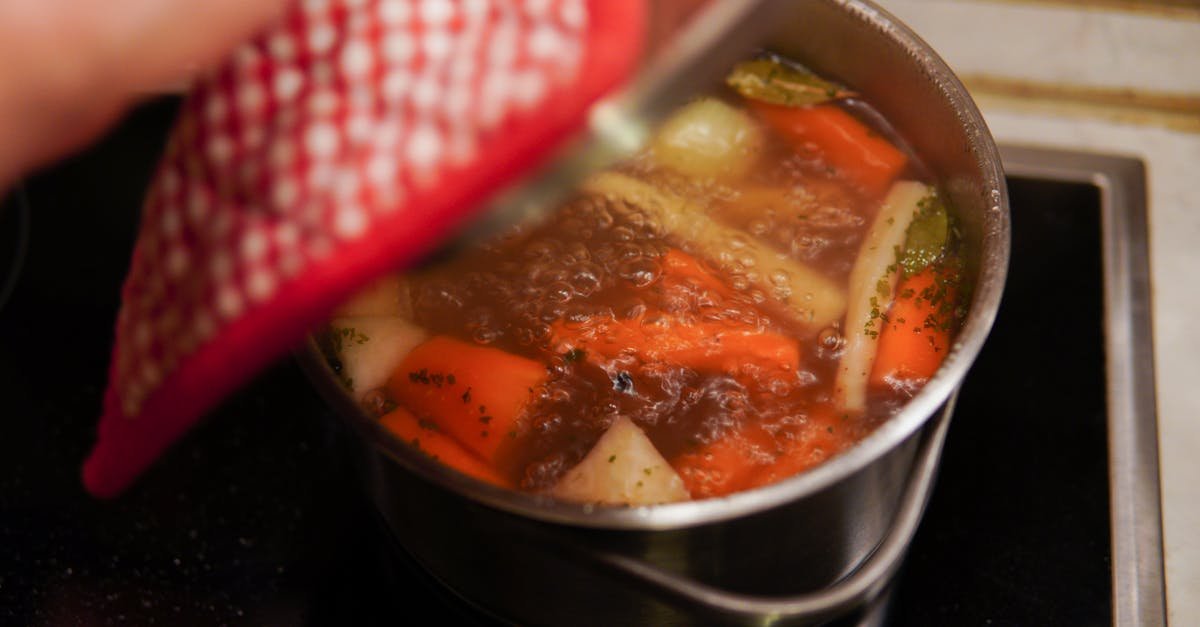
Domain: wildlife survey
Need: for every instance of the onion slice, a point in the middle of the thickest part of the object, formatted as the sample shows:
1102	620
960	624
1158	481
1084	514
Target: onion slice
872	289
812	298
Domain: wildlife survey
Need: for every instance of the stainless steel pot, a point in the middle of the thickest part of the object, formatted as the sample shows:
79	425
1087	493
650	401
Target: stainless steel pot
802	550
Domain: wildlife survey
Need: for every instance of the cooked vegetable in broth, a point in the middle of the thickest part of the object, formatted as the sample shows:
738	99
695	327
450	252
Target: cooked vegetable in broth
771	278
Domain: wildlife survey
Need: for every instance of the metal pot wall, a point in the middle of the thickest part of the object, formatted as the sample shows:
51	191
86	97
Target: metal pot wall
802	550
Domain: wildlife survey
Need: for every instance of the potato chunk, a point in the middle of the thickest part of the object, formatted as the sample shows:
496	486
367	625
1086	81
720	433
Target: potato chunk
371	347
386	297
709	138
623	468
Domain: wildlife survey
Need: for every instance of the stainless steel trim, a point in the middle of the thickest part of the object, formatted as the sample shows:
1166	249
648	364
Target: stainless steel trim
1136	524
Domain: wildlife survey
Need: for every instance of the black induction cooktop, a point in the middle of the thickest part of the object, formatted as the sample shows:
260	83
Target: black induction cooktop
258	516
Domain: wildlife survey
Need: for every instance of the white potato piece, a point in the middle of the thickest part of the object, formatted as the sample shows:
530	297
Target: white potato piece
388	296
708	138
372	347
872	289
812	298
623	468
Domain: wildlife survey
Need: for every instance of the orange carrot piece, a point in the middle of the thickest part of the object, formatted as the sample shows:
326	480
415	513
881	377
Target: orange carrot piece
474	393
703	346
596	335
915	339
822	435
716	348
680	268
426	437
727	464
846	143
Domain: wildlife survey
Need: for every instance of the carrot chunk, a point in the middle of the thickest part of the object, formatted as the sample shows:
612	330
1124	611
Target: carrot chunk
716	348
702	346
429	440
751	457
727	464
680	268
916	337
474	393
846	143
822	435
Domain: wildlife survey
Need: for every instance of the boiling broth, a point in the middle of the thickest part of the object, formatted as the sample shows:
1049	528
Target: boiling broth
723	348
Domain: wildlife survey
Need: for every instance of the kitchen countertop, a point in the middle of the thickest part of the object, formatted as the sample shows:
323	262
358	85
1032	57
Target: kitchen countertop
1107	79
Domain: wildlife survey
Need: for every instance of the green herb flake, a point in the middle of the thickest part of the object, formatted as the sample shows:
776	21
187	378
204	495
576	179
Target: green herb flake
574	355
341	337
612	458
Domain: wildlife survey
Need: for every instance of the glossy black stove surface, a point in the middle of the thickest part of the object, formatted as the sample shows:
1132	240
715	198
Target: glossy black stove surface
1017	530
257	517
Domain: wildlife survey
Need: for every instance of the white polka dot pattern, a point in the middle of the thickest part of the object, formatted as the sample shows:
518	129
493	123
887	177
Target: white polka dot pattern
308	135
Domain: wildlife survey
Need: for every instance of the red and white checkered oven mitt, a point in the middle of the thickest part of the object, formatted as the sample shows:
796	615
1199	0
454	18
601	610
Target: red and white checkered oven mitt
339	145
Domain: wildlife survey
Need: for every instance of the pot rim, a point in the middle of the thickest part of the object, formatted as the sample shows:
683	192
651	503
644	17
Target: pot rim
915	414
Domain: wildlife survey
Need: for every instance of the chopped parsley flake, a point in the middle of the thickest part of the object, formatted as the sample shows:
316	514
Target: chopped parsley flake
341	337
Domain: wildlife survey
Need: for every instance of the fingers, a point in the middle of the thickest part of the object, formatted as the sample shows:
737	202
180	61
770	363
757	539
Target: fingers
69	67
156	42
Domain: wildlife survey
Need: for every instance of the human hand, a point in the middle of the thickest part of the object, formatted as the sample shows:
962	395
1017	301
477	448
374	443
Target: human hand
68	68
